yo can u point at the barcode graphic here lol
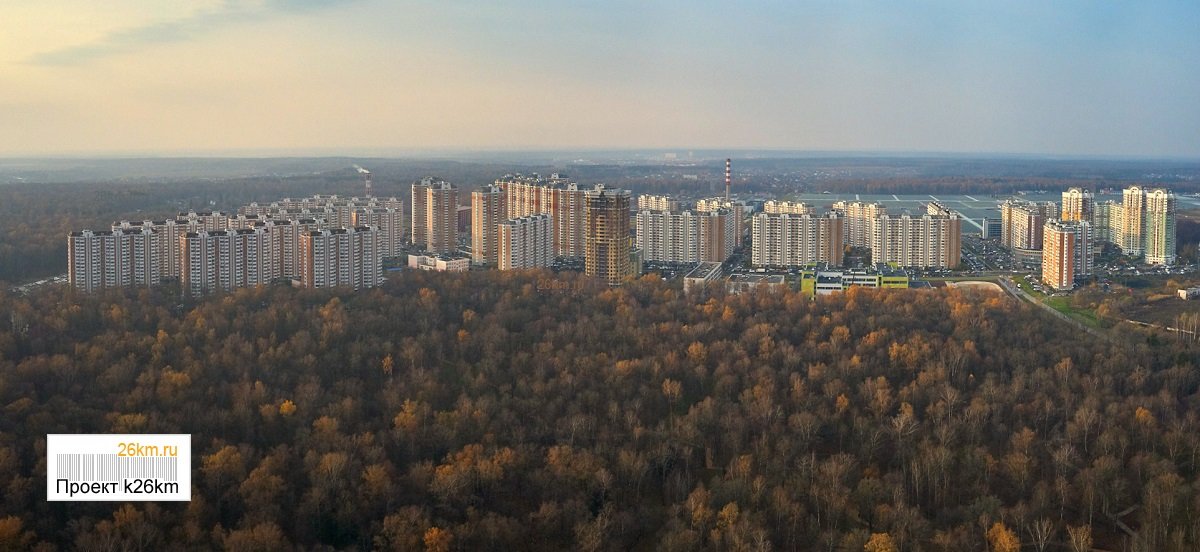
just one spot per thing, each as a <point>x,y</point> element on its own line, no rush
<point>110,467</point>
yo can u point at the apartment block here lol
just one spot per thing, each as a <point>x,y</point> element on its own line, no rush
<point>782,239</point>
<point>1066,253</point>
<point>335,257</point>
<point>859,220</point>
<point>488,210</point>
<point>525,242</point>
<point>925,241</point>
<point>1160,227</point>
<point>608,242</point>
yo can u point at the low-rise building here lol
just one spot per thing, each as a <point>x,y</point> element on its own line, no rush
<point>439,263</point>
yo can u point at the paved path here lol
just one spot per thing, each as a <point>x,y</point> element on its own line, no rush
<point>1019,293</point>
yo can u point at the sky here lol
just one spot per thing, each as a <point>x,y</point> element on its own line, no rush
<point>251,77</point>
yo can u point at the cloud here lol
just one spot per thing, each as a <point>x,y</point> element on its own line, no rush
<point>176,30</point>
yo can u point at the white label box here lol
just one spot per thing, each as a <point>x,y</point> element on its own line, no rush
<point>119,467</point>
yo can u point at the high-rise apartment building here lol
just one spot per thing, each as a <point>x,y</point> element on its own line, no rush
<point>340,257</point>
<point>122,257</point>
<point>859,220</point>
<point>718,234</point>
<point>435,215</point>
<point>420,212</point>
<point>390,223</point>
<point>1066,253</point>
<point>252,257</point>
<point>738,212</point>
<point>1021,223</point>
<point>488,210</point>
<point>773,207</point>
<point>1160,227</point>
<point>657,203</point>
<point>556,196</point>
<point>672,236</point>
<point>1102,221</point>
<point>525,242</point>
<point>783,239</point>
<point>1077,204</point>
<point>607,244</point>
<point>1133,219</point>
<point>925,241</point>
<point>207,262</point>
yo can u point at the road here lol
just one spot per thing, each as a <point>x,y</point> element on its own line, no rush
<point>1020,294</point>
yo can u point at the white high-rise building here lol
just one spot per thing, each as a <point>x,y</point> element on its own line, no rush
<point>859,220</point>
<point>669,236</point>
<point>525,242</point>
<point>782,239</point>
<point>1160,227</point>
<point>917,241</point>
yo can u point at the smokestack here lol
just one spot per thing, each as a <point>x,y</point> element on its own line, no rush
<point>366,178</point>
<point>728,180</point>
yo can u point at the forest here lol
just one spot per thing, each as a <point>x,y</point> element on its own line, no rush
<point>534,411</point>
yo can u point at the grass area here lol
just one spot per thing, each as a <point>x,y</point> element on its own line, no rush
<point>1021,283</point>
<point>1086,317</point>
<point>960,279</point>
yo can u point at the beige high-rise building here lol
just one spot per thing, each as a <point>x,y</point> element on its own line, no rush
<point>657,203</point>
<point>390,223</point>
<point>784,239</point>
<point>1021,224</point>
<point>435,215</point>
<point>859,220</point>
<point>1160,227</point>
<point>1133,211</point>
<point>773,207</point>
<point>556,196</point>
<point>1066,253</point>
<point>525,242</point>
<point>420,211</point>
<point>607,244</point>
<point>718,234</point>
<point>335,257</point>
<point>738,211</point>
<point>927,241</point>
<point>488,210</point>
<point>1077,204</point>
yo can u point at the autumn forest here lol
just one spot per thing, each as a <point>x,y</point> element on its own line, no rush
<point>491,411</point>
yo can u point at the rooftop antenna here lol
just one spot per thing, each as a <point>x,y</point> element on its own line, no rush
<point>366,178</point>
<point>728,180</point>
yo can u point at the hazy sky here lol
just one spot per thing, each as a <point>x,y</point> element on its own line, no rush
<point>1053,77</point>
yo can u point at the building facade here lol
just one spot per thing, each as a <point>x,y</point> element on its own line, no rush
<point>340,257</point>
<point>927,241</point>
<point>488,210</point>
<point>1077,204</point>
<point>1160,227</point>
<point>1066,253</point>
<point>525,242</point>
<point>859,220</point>
<point>781,239</point>
<point>608,243</point>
